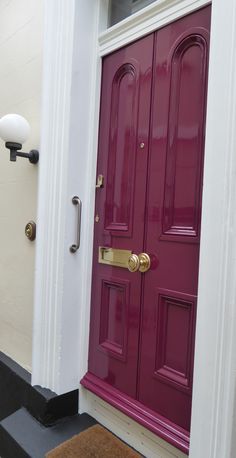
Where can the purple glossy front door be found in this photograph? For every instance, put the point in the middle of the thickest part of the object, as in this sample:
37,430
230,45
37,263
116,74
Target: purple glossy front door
151,146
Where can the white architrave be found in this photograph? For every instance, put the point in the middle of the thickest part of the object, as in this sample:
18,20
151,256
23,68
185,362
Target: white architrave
52,205
70,115
215,361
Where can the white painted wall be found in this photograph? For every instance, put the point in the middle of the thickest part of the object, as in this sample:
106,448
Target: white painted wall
20,92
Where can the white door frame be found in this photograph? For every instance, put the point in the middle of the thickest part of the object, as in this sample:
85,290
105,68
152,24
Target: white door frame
70,111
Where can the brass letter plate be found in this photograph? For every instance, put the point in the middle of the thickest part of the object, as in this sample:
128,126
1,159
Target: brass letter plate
114,257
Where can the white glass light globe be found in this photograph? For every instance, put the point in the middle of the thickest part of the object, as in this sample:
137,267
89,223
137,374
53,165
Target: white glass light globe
14,128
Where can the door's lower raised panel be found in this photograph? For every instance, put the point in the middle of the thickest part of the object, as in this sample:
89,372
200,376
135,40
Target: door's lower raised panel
114,318
166,357
174,338
114,331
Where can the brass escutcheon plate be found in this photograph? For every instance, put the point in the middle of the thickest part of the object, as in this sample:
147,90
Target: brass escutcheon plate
30,230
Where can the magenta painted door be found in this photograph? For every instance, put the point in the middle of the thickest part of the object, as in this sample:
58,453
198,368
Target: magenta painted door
151,145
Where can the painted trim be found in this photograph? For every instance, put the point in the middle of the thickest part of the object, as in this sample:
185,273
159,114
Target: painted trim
62,285
67,167
213,413
135,410
52,192
145,21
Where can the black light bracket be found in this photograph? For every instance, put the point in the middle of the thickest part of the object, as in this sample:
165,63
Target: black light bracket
33,155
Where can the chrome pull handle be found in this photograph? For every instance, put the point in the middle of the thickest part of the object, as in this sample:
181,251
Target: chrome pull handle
76,201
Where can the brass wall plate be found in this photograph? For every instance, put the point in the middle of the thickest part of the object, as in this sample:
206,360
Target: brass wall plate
100,181
114,257
30,230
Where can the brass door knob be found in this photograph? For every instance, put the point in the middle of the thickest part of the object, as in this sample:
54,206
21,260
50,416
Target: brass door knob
144,262
133,263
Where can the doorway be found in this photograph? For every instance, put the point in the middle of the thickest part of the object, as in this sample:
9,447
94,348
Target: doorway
147,226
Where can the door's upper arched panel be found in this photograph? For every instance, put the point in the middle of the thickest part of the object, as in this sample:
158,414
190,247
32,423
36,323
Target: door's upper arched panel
122,144
185,138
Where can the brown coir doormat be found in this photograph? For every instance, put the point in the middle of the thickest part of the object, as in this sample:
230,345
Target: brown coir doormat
94,442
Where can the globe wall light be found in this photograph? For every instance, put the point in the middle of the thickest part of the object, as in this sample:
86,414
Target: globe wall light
14,131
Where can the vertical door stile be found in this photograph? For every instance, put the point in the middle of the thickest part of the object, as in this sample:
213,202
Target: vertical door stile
146,209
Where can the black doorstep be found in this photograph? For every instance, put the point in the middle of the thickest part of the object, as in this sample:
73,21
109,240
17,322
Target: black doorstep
34,420
16,392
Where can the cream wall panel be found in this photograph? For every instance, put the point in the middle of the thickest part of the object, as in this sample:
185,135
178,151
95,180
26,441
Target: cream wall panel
20,92
15,15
